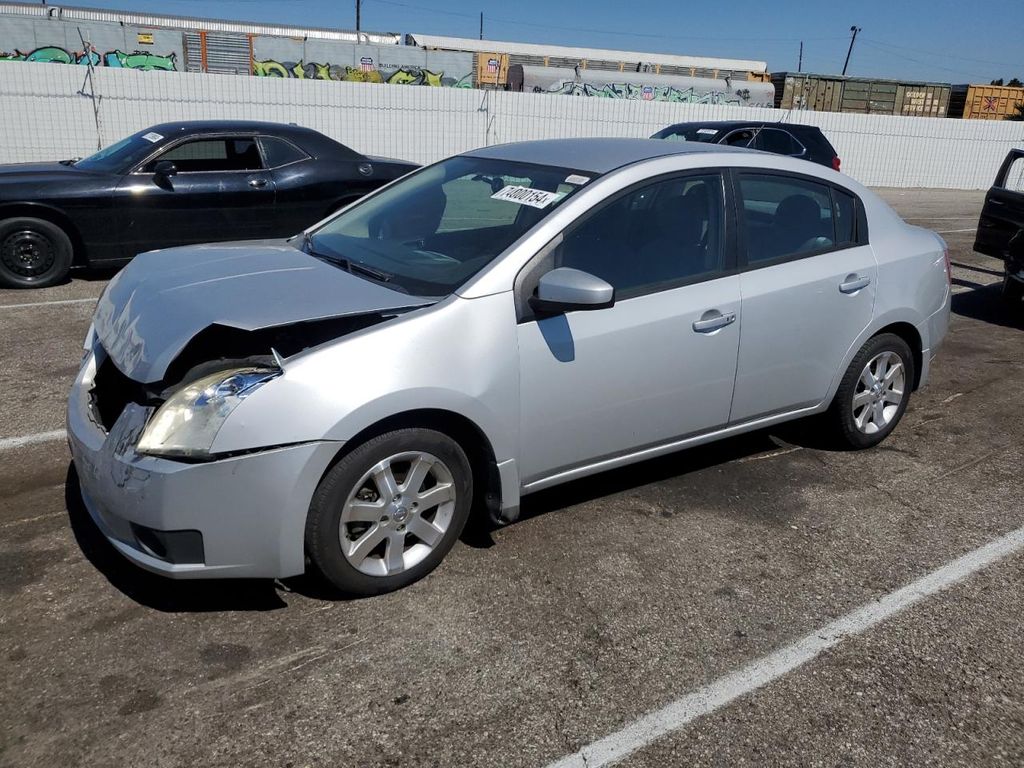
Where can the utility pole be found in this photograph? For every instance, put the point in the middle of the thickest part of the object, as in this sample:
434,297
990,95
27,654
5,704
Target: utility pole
481,25
855,30
800,61
358,14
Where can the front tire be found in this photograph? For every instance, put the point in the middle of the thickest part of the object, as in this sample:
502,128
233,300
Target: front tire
34,253
389,511
873,394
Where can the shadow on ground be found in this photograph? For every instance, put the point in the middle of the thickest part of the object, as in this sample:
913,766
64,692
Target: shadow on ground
986,304
154,591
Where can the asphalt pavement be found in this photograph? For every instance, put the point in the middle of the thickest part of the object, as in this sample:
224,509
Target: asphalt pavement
611,598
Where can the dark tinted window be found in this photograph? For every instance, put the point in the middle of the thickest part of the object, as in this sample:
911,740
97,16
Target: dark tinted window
845,217
280,152
213,155
785,216
666,232
744,137
779,142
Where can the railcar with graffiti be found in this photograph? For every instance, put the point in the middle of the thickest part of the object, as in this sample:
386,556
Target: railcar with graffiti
52,54
365,73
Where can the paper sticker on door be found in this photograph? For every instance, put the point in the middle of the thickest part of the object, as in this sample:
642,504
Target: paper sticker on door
535,198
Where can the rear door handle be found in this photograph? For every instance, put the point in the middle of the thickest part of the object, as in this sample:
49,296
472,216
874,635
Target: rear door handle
712,320
257,183
852,284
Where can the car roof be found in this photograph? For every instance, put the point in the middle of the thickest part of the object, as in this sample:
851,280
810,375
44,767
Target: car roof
726,124
307,138
595,155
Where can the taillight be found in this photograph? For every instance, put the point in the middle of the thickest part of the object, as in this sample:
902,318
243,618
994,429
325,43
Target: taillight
949,267
836,162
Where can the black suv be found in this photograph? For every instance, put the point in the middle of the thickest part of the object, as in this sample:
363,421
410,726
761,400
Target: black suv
791,139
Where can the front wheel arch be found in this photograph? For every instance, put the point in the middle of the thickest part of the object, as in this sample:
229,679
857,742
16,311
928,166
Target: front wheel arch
56,217
487,493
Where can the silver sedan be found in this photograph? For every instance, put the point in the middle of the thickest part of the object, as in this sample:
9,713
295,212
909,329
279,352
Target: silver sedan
497,323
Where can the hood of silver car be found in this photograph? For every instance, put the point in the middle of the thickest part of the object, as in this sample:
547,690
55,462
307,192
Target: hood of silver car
162,299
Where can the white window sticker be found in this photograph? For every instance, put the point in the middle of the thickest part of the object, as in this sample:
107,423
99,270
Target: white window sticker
152,136
576,179
707,131
535,198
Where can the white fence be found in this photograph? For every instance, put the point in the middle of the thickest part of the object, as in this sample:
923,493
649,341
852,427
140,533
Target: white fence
46,113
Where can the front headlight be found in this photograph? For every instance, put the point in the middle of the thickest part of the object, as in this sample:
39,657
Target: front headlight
188,422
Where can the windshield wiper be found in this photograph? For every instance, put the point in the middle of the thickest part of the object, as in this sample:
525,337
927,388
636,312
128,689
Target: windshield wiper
350,266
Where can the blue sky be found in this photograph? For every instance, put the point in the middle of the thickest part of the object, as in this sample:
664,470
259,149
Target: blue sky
939,40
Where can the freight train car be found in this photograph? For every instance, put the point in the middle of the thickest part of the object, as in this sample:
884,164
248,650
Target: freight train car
831,93
985,102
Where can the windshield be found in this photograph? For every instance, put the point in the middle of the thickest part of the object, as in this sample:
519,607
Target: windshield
122,155
433,230
688,134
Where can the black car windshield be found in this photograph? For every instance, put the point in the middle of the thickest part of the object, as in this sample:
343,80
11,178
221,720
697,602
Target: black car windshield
433,230
122,155
694,133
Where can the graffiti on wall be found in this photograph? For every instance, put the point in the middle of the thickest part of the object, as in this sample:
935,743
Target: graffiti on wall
141,60
365,73
637,91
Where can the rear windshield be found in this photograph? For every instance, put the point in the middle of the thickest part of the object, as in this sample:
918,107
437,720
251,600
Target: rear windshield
433,230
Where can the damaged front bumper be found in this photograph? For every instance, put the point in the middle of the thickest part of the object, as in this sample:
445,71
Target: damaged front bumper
239,516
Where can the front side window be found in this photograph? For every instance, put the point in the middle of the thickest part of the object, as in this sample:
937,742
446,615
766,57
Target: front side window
223,154
783,217
741,138
436,228
661,234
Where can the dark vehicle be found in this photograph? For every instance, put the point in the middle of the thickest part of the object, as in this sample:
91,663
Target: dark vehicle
1001,227
175,184
791,139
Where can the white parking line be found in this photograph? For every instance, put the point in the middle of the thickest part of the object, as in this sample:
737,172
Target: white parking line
953,231
6,443
49,303
757,674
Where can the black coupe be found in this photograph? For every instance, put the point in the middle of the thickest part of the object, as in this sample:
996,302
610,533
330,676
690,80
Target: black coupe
175,184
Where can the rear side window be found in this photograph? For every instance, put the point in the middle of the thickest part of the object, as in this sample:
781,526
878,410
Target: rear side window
785,217
779,142
280,152
228,154
1014,181
845,215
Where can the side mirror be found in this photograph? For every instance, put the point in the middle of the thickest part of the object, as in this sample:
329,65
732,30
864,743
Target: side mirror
566,289
165,169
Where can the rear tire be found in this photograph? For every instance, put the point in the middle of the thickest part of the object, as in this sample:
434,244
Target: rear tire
34,253
389,511
873,394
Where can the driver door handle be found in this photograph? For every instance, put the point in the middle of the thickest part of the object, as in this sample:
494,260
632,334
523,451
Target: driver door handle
257,183
853,283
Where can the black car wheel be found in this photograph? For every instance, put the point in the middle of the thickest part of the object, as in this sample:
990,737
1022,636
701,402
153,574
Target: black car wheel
33,253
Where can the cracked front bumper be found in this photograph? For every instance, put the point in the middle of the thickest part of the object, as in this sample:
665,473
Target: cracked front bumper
250,510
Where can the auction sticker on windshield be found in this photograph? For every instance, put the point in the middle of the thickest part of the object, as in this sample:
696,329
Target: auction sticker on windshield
536,198
152,136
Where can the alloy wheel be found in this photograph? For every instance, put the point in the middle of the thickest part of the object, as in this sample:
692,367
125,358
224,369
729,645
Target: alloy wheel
397,513
879,392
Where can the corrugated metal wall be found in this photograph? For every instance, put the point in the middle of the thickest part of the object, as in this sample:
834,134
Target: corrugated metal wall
48,119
